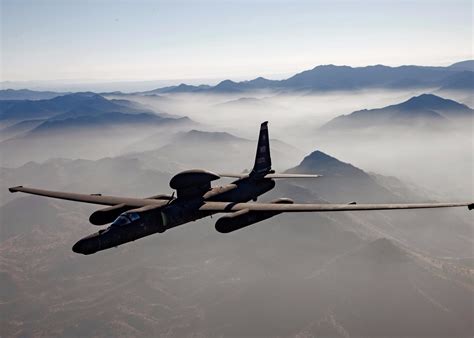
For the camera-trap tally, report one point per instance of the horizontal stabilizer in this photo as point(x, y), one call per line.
point(292, 176)
point(230, 175)
point(271, 175)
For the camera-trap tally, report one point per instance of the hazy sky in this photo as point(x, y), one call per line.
point(144, 40)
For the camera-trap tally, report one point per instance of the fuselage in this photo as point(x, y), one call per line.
point(130, 226)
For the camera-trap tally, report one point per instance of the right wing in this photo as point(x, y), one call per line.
point(261, 207)
point(93, 198)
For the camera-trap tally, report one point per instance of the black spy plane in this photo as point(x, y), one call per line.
point(134, 218)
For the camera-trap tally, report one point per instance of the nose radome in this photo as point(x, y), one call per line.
point(87, 245)
point(78, 247)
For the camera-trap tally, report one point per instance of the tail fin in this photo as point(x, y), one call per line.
point(263, 161)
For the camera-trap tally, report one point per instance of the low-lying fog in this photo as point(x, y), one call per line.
point(387, 273)
point(439, 160)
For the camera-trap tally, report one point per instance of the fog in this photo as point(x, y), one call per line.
point(396, 273)
point(422, 156)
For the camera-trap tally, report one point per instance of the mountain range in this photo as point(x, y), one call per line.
point(332, 78)
point(76, 125)
point(458, 76)
point(66, 106)
point(78, 110)
point(381, 273)
point(27, 94)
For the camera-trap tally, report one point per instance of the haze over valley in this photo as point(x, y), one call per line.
point(376, 134)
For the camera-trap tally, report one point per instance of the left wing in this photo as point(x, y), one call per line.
point(232, 207)
point(93, 198)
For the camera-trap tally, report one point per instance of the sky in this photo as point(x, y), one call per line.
point(161, 40)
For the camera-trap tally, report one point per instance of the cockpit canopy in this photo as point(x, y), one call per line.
point(126, 218)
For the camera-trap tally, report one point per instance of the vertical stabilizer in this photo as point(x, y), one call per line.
point(263, 162)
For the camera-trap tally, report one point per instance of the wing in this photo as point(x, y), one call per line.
point(232, 207)
point(93, 199)
point(271, 175)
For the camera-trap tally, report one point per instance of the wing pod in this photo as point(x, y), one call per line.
point(245, 217)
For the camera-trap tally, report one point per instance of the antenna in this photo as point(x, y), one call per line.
point(171, 199)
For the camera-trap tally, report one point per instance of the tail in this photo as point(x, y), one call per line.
point(263, 161)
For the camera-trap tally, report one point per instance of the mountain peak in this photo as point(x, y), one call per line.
point(331, 66)
point(80, 96)
point(431, 101)
point(202, 136)
point(226, 83)
point(318, 155)
point(463, 65)
point(425, 110)
point(321, 163)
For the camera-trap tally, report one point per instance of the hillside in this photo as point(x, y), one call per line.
point(426, 110)
point(192, 279)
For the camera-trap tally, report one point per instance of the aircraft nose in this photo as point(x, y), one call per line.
point(78, 247)
point(87, 245)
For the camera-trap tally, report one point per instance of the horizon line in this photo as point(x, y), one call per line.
point(239, 78)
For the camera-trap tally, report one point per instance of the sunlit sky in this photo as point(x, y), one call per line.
point(150, 40)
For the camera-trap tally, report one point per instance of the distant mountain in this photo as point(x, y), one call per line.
point(182, 88)
point(218, 151)
point(205, 136)
point(460, 81)
point(102, 121)
point(463, 65)
point(344, 183)
point(26, 94)
point(77, 134)
point(66, 106)
point(250, 102)
point(332, 77)
point(341, 182)
point(423, 110)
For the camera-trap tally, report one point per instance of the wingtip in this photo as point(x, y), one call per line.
point(15, 189)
